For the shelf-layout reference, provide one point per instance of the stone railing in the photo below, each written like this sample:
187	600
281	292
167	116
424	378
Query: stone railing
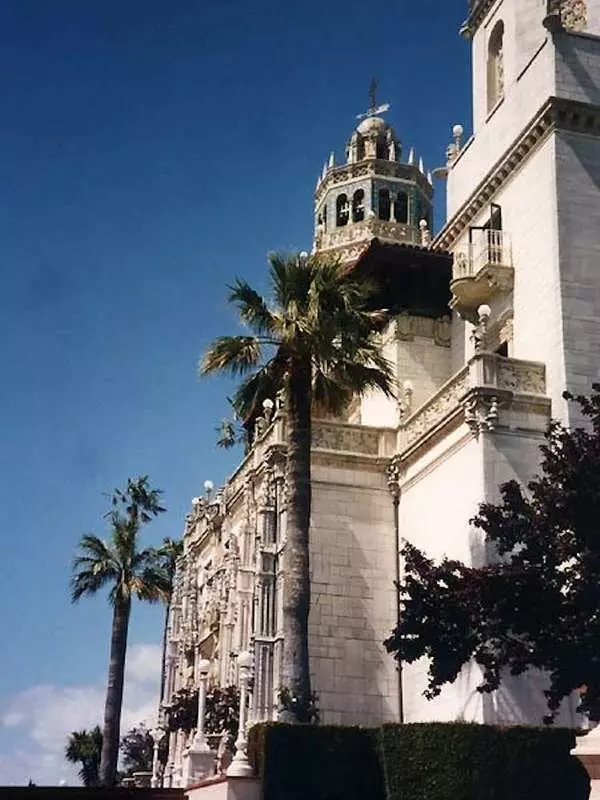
326	435
487	373
358	439
368	229
489	248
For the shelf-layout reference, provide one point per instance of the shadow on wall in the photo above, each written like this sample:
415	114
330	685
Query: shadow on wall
351	669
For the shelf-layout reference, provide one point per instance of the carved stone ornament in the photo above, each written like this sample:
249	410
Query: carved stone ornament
434	411
573	15
345	438
393	478
408	327
522	377
481	414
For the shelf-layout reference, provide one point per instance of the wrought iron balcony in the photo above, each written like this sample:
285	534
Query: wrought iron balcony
483	271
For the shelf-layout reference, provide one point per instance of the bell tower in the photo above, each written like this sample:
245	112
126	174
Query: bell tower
374	194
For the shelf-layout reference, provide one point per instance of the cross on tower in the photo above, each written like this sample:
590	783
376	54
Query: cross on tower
373	109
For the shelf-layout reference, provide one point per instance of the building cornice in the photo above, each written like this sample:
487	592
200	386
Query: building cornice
479	9
556	114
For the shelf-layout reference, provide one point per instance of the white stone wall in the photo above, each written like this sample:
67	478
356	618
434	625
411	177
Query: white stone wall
353	596
411	347
578	189
440	494
526	89
529	216
577	67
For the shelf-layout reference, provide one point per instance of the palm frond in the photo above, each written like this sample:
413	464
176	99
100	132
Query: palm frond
90	581
330	395
234	354
264	383
253	309
152	584
291	277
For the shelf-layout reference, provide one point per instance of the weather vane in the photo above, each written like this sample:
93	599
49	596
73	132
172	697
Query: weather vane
374	109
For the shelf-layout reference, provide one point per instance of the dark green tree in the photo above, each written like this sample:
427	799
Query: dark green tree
85	747
127	571
222	710
317	342
537	605
137	751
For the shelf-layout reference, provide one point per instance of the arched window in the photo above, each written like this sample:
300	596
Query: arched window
358	205
381	149
495	66
342	210
325	217
384	204
401	207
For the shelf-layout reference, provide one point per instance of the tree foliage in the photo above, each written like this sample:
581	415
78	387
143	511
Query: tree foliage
319	312
537	605
137	750
84	747
119	565
222	710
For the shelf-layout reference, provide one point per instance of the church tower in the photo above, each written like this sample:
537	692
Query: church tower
374	194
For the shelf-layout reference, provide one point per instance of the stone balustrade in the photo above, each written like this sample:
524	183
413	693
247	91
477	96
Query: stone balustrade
486	374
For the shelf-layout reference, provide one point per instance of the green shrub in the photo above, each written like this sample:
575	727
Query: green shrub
429	761
437	761
306	762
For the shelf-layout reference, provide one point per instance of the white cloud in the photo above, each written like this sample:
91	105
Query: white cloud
46	714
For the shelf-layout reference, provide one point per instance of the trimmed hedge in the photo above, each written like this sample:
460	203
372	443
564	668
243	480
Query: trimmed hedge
438	761
428	761
310	762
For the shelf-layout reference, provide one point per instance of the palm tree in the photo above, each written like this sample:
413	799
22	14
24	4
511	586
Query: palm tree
129	572
84	747
317	341
170	551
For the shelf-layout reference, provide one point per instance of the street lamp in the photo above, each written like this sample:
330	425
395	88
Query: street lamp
199	744
240	767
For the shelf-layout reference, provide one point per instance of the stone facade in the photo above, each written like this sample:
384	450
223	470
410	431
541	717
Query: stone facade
476	385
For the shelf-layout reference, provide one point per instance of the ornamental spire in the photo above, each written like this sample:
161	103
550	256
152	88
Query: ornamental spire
373	109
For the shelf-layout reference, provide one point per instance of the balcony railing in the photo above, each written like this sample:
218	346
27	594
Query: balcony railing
487	267
487	374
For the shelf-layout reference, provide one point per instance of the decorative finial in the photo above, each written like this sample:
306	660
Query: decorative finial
425	233
331	160
421	166
373	109
411	156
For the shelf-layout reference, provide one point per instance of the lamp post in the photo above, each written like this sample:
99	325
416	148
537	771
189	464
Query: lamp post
199	744
240	767
199	758
157	734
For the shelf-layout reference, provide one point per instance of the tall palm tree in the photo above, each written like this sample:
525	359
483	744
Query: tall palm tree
316	340
169	552
129	572
85	747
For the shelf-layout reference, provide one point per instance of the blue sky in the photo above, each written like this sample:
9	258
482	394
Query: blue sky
149	152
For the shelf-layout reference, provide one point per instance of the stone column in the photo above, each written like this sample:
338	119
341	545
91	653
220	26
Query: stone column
199	758
240	767
157	735
170	768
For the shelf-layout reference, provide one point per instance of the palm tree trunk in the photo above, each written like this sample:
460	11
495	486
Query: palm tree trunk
114	693
296	595
164	653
